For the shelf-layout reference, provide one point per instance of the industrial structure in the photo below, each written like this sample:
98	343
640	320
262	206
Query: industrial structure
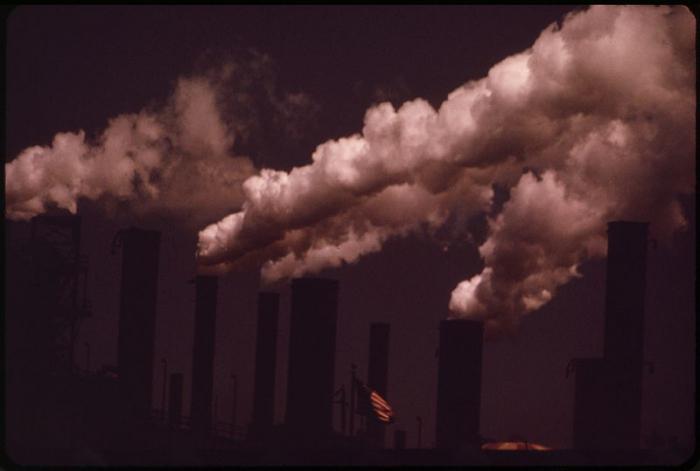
608	390
459	384
206	291
265	363
137	316
58	403
314	311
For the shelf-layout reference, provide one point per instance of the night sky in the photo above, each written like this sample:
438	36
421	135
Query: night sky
71	68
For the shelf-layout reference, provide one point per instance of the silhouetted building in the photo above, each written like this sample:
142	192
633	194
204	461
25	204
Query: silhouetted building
311	356
265	361
206	288
175	399
459	383
377	377
137	317
608	395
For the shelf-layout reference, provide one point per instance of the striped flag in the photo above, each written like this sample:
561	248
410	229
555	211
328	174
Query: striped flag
371	400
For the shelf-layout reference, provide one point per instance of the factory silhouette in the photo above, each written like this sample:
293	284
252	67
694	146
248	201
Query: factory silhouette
60	414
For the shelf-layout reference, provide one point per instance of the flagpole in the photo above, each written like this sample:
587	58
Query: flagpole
353	393
342	410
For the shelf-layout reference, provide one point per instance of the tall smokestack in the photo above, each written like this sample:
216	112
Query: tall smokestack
175	399
591	403
137	317
203	354
608	397
265	360
459	383
624	292
312	356
377	376
624	328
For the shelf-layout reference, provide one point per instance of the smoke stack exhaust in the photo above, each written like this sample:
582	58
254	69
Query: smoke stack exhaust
459	383
265	361
377	376
312	356
137	317
206	288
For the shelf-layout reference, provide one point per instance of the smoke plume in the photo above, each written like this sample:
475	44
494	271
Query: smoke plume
175	161
594	122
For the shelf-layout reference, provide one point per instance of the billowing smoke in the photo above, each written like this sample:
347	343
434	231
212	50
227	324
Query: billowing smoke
594	122
175	161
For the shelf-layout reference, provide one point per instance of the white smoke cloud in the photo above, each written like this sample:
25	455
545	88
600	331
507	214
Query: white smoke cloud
594	122
174	161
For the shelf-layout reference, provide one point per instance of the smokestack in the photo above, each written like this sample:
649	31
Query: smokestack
591	403
377	376
203	354
175	399
265	360
312	356
624	328
608	397
624	292
459	383
137	317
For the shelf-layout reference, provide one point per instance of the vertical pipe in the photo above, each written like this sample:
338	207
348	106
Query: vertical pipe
164	362
343	411
234	406
420	431
353	399
87	357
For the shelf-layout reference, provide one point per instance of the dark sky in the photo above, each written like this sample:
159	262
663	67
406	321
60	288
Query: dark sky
74	67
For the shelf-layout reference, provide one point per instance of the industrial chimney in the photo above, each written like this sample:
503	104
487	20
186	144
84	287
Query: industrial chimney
265	360
377	376
625	287
608	395
459	383
625	290
311	356
206	288
137	317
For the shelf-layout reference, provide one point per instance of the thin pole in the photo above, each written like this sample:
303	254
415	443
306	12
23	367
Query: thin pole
235	404
165	385
420	430
213	420
353	367
87	357
343	425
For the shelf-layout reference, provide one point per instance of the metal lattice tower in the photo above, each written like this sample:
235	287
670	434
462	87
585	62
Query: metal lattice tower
57	273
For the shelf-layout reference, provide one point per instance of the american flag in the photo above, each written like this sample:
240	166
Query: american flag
369	399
